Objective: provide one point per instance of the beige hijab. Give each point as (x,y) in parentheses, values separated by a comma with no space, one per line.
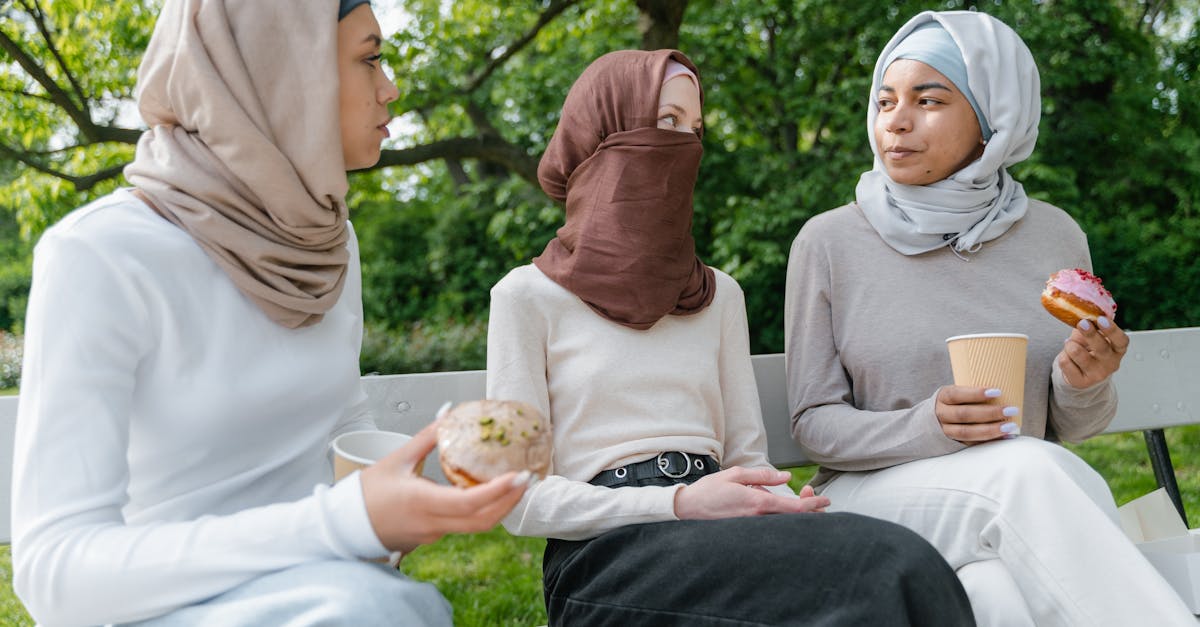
(244,147)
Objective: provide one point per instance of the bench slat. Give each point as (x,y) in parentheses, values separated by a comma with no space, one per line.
(1158,385)
(408,402)
(769,374)
(8,429)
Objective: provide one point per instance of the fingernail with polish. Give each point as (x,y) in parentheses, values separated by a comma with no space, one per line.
(1011,436)
(1103,322)
(443,409)
(1085,325)
(521,479)
(992,392)
(1011,411)
(1009,427)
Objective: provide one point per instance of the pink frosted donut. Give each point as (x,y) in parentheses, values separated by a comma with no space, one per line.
(1076,294)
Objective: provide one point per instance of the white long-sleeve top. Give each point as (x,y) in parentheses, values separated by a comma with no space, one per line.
(171,440)
(616,395)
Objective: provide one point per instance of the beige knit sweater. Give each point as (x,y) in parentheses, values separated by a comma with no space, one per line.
(866,329)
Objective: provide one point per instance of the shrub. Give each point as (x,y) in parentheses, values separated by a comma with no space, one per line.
(16,268)
(426,346)
(10,360)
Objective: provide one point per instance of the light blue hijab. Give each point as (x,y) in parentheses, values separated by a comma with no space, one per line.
(979,203)
(930,44)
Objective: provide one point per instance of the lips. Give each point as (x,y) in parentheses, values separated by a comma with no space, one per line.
(899,152)
(384,129)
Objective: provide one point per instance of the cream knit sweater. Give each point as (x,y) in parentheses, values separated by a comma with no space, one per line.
(616,395)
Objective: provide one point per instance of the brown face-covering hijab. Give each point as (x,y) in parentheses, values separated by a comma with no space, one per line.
(626,248)
(244,150)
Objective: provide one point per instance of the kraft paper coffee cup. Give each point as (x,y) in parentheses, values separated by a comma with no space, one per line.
(358,449)
(992,360)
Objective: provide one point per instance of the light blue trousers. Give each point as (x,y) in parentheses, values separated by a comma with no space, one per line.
(320,593)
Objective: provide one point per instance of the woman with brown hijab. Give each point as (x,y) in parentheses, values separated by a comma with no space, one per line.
(171,447)
(638,352)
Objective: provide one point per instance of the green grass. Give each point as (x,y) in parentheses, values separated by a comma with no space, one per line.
(495,579)
(491,578)
(1122,460)
(11,610)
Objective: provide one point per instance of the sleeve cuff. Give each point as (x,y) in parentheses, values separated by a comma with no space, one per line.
(350,522)
(1067,395)
(669,495)
(925,413)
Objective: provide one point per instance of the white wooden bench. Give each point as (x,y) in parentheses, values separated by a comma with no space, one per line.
(1158,384)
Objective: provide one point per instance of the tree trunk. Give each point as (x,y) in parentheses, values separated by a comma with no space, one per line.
(659,22)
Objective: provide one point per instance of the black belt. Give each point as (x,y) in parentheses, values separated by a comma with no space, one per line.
(666,469)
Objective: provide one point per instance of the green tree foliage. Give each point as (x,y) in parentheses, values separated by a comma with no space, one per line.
(454,203)
(1118,147)
(65,67)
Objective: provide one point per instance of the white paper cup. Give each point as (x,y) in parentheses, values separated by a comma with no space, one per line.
(358,449)
(993,360)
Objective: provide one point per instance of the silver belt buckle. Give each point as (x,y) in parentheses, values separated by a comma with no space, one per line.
(663,463)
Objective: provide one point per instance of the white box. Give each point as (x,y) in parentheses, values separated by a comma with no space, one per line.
(1178,559)
(1153,523)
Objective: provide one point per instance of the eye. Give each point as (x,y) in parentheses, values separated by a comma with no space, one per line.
(698,130)
(885,103)
(373,59)
(926,101)
(670,120)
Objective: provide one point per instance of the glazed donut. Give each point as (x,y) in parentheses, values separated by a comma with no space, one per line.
(1076,294)
(481,440)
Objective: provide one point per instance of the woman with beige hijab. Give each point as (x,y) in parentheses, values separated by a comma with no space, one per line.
(942,241)
(661,507)
(192,346)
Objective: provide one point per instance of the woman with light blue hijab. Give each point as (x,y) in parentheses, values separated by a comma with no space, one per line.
(942,241)
(981,201)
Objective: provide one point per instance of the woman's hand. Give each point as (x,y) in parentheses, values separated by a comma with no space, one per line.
(407,510)
(738,491)
(1092,353)
(965,415)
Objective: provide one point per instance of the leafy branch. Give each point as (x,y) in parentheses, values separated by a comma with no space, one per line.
(77,111)
(547,16)
(73,100)
(39,19)
(81,183)
(490,148)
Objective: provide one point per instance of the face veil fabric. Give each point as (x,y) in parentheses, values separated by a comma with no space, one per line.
(244,150)
(626,248)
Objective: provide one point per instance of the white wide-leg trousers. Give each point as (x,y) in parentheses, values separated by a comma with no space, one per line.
(1031,530)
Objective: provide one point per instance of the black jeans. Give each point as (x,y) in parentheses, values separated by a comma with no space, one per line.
(782,569)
